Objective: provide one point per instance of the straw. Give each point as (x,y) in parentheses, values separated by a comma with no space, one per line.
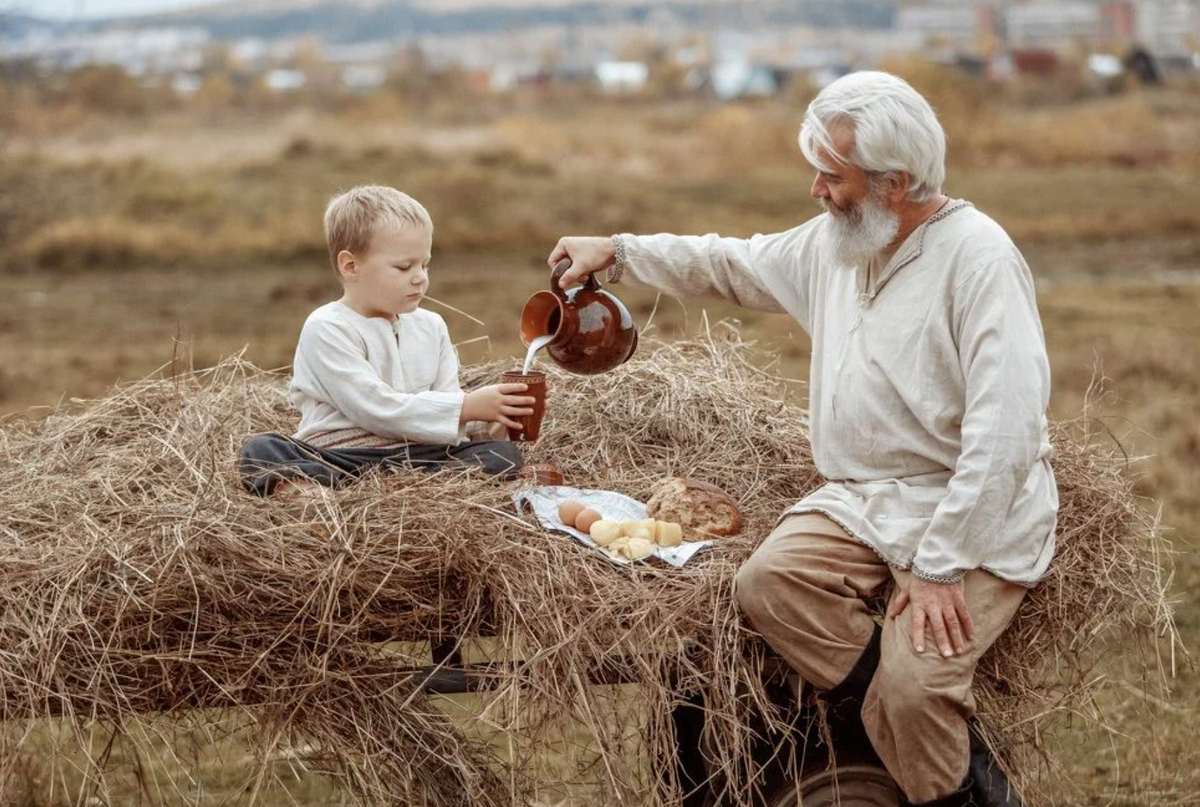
(141,580)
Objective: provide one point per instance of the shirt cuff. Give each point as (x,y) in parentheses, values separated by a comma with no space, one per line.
(618,268)
(930,577)
(443,416)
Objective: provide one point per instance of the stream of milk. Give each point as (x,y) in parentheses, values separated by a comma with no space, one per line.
(534,347)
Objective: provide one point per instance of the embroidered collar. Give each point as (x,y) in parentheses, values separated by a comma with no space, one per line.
(912,248)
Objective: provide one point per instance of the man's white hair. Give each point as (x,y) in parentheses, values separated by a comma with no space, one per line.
(895,129)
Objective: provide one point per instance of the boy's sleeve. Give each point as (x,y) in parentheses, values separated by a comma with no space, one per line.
(332,363)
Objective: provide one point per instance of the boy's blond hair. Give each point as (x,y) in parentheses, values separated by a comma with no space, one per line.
(353,217)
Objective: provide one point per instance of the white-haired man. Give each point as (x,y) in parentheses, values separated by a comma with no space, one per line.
(928,389)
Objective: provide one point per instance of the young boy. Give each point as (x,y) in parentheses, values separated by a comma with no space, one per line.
(375,376)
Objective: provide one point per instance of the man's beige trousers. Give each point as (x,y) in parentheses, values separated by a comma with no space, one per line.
(805,591)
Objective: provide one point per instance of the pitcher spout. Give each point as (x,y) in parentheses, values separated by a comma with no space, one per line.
(542,316)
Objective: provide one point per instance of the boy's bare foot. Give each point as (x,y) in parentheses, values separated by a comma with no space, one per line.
(290,489)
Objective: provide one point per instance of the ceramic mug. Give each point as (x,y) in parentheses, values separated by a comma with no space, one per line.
(531,425)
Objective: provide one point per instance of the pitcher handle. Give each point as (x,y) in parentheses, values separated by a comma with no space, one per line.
(590,282)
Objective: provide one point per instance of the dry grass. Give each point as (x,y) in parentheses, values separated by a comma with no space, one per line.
(143,580)
(63,219)
(109,192)
(104,243)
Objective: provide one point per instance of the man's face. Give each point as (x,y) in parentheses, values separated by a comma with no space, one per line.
(862,221)
(844,186)
(393,276)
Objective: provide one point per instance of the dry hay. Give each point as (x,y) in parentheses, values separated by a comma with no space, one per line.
(140,579)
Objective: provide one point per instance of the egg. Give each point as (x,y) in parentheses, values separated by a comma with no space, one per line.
(585,519)
(569,510)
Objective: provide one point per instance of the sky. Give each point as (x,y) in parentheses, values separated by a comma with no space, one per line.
(82,9)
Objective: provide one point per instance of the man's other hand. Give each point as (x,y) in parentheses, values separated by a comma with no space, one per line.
(943,607)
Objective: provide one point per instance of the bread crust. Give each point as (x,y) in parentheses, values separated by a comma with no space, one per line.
(702,509)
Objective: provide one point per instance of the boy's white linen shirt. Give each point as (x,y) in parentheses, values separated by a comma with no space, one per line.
(928,388)
(365,382)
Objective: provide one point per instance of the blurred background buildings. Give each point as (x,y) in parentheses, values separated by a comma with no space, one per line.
(724,49)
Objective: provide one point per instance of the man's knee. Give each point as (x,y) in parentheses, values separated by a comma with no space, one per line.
(753,587)
(769,576)
(909,687)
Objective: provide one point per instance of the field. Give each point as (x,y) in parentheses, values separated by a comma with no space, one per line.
(134,241)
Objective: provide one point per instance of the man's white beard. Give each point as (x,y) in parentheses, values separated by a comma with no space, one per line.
(859,234)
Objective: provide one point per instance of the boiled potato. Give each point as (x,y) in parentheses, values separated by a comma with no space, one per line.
(638,548)
(605,531)
(637,529)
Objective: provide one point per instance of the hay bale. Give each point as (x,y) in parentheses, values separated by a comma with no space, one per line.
(139,578)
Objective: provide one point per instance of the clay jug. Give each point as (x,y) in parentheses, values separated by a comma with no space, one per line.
(593,330)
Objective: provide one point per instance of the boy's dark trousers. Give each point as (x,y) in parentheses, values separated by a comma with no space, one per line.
(268,459)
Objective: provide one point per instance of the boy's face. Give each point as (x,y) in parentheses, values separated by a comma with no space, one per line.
(393,276)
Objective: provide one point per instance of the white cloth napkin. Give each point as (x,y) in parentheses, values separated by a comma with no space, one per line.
(544,502)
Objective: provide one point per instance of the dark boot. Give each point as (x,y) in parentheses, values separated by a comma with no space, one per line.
(989,785)
(844,702)
(854,687)
(963,797)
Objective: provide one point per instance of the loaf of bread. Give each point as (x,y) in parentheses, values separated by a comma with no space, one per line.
(702,509)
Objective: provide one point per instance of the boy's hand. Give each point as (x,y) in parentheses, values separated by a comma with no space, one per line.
(497,403)
(588,254)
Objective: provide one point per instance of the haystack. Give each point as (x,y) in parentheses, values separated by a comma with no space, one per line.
(139,579)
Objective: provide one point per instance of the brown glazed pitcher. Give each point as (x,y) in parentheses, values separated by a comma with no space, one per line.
(593,330)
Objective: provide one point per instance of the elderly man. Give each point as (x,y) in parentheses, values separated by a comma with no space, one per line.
(928,389)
